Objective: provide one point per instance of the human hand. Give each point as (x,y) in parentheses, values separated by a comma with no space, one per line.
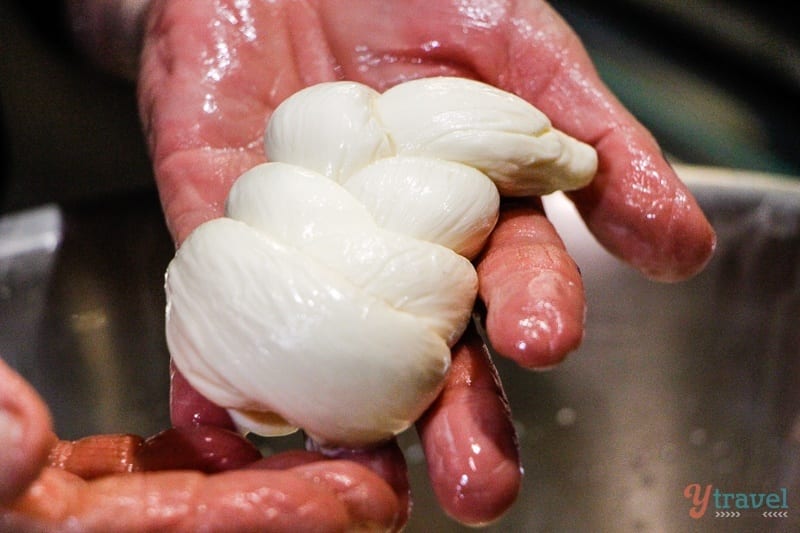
(180,480)
(212,72)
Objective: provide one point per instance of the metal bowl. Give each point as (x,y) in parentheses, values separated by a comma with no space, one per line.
(676,388)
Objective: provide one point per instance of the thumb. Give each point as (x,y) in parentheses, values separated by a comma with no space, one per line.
(25,434)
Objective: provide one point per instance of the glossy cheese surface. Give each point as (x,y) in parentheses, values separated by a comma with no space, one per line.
(329,295)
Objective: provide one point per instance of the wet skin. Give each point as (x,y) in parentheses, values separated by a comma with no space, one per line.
(211,73)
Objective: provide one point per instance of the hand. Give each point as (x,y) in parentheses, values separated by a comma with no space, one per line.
(179,480)
(212,71)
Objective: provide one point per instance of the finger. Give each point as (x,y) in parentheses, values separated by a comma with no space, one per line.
(25,434)
(205,449)
(469,440)
(210,449)
(328,496)
(388,462)
(189,408)
(641,212)
(636,205)
(96,456)
(390,511)
(531,287)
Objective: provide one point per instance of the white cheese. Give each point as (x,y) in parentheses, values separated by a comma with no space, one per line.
(329,295)
(494,131)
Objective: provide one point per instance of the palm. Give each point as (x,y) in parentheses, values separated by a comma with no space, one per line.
(212,86)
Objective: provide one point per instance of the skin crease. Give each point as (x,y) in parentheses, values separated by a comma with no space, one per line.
(213,70)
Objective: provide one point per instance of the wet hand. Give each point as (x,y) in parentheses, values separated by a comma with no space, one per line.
(213,71)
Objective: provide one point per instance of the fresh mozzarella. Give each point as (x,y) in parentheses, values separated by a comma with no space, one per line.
(319,218)
(260,329)
(492,130)
(329,295)
(330,128)
(454,205)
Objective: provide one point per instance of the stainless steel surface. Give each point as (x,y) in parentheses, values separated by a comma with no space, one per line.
(81,312)
(691,383)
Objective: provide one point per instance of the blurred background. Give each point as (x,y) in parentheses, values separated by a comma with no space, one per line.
(675,384)
(717,82)
(68,131)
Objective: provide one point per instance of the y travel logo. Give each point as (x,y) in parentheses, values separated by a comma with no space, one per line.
(708,500)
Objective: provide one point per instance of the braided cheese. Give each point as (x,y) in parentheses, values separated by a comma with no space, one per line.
(330,294)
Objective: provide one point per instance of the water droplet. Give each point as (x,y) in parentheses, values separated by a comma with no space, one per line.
(698,437)
(431,45)
(414,454)
(566,416)
(668,452)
